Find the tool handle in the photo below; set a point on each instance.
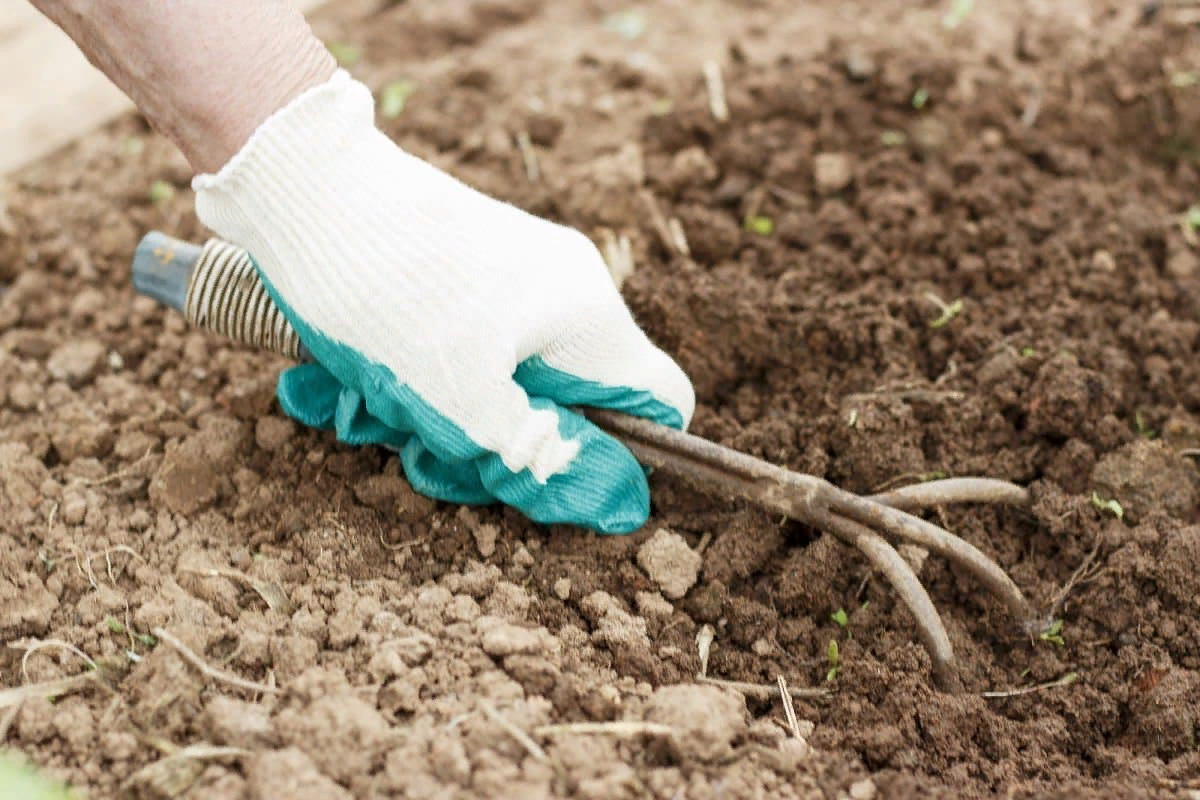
(216, 287)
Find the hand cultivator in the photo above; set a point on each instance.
(217, 287)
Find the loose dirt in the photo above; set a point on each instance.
(914, 251)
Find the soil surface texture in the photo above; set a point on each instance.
(924, 240)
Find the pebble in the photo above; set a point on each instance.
(670, 563)
(507, 640)
(707, 719)
(485, 534)
(860, 66)
(562, 589)
(863, 790)
(74, 508)
(290, 773)
(831, 172)
(76, 362)
(236, 723)
(22, 397)
(272, 433)
(392, 494)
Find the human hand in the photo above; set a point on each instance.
(447, 325)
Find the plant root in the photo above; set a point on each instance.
(862, 522)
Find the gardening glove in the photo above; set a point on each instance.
(449, 326)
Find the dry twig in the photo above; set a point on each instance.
(221, 677)
(788, 710)
(763, 689)
(516, 733)
(715, 83)
(624, 729)
(1065, 680)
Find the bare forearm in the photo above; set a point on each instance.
(206, 73)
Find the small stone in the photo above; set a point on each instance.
(653, 605)
(76, 362)
(74, 508)
(544, 128)
(507, 640)
(991, 138)
(272, 433)
(707, 719)
(860, 66)
(523, 558)
(133, 445)
(1103, 261)
(863, 790)
(290, 773)
(236, 723)
(462, 608)
(691, 166)
(23, 397)
(562, 589)
(485, 534)
(831, 172)
(344, 629)
(537, 675)
(139, 520)
(1182, 261)
(389, 494)
(88, 303)
(670, 563)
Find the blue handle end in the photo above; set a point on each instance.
(162, 268)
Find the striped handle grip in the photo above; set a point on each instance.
(216, 287)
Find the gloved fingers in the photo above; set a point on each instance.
(606, 361)
(603, 487)
(454, 483)
(549, 463)
(309, 394)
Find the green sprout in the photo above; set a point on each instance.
(920, 98)
(394, 96)
(841, 618)
(893, 138)
(949, 312)
(1053, 634)
(835, 662)
(958, 13)
(1111, 506)
(1192, 218)
(19, 779)
(1028, 352)
(345, 53)
(1185, 80)
(629, 24)
(115, 625)
(661, 107)
(146, 639)
(161, 192)
(763, 226)
(1143, 430)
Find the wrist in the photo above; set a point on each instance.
(204, 74)
(219, 117)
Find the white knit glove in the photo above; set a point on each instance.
(447, 325)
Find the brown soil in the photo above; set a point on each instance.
(407, 638)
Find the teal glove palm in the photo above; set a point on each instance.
(450, 327)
